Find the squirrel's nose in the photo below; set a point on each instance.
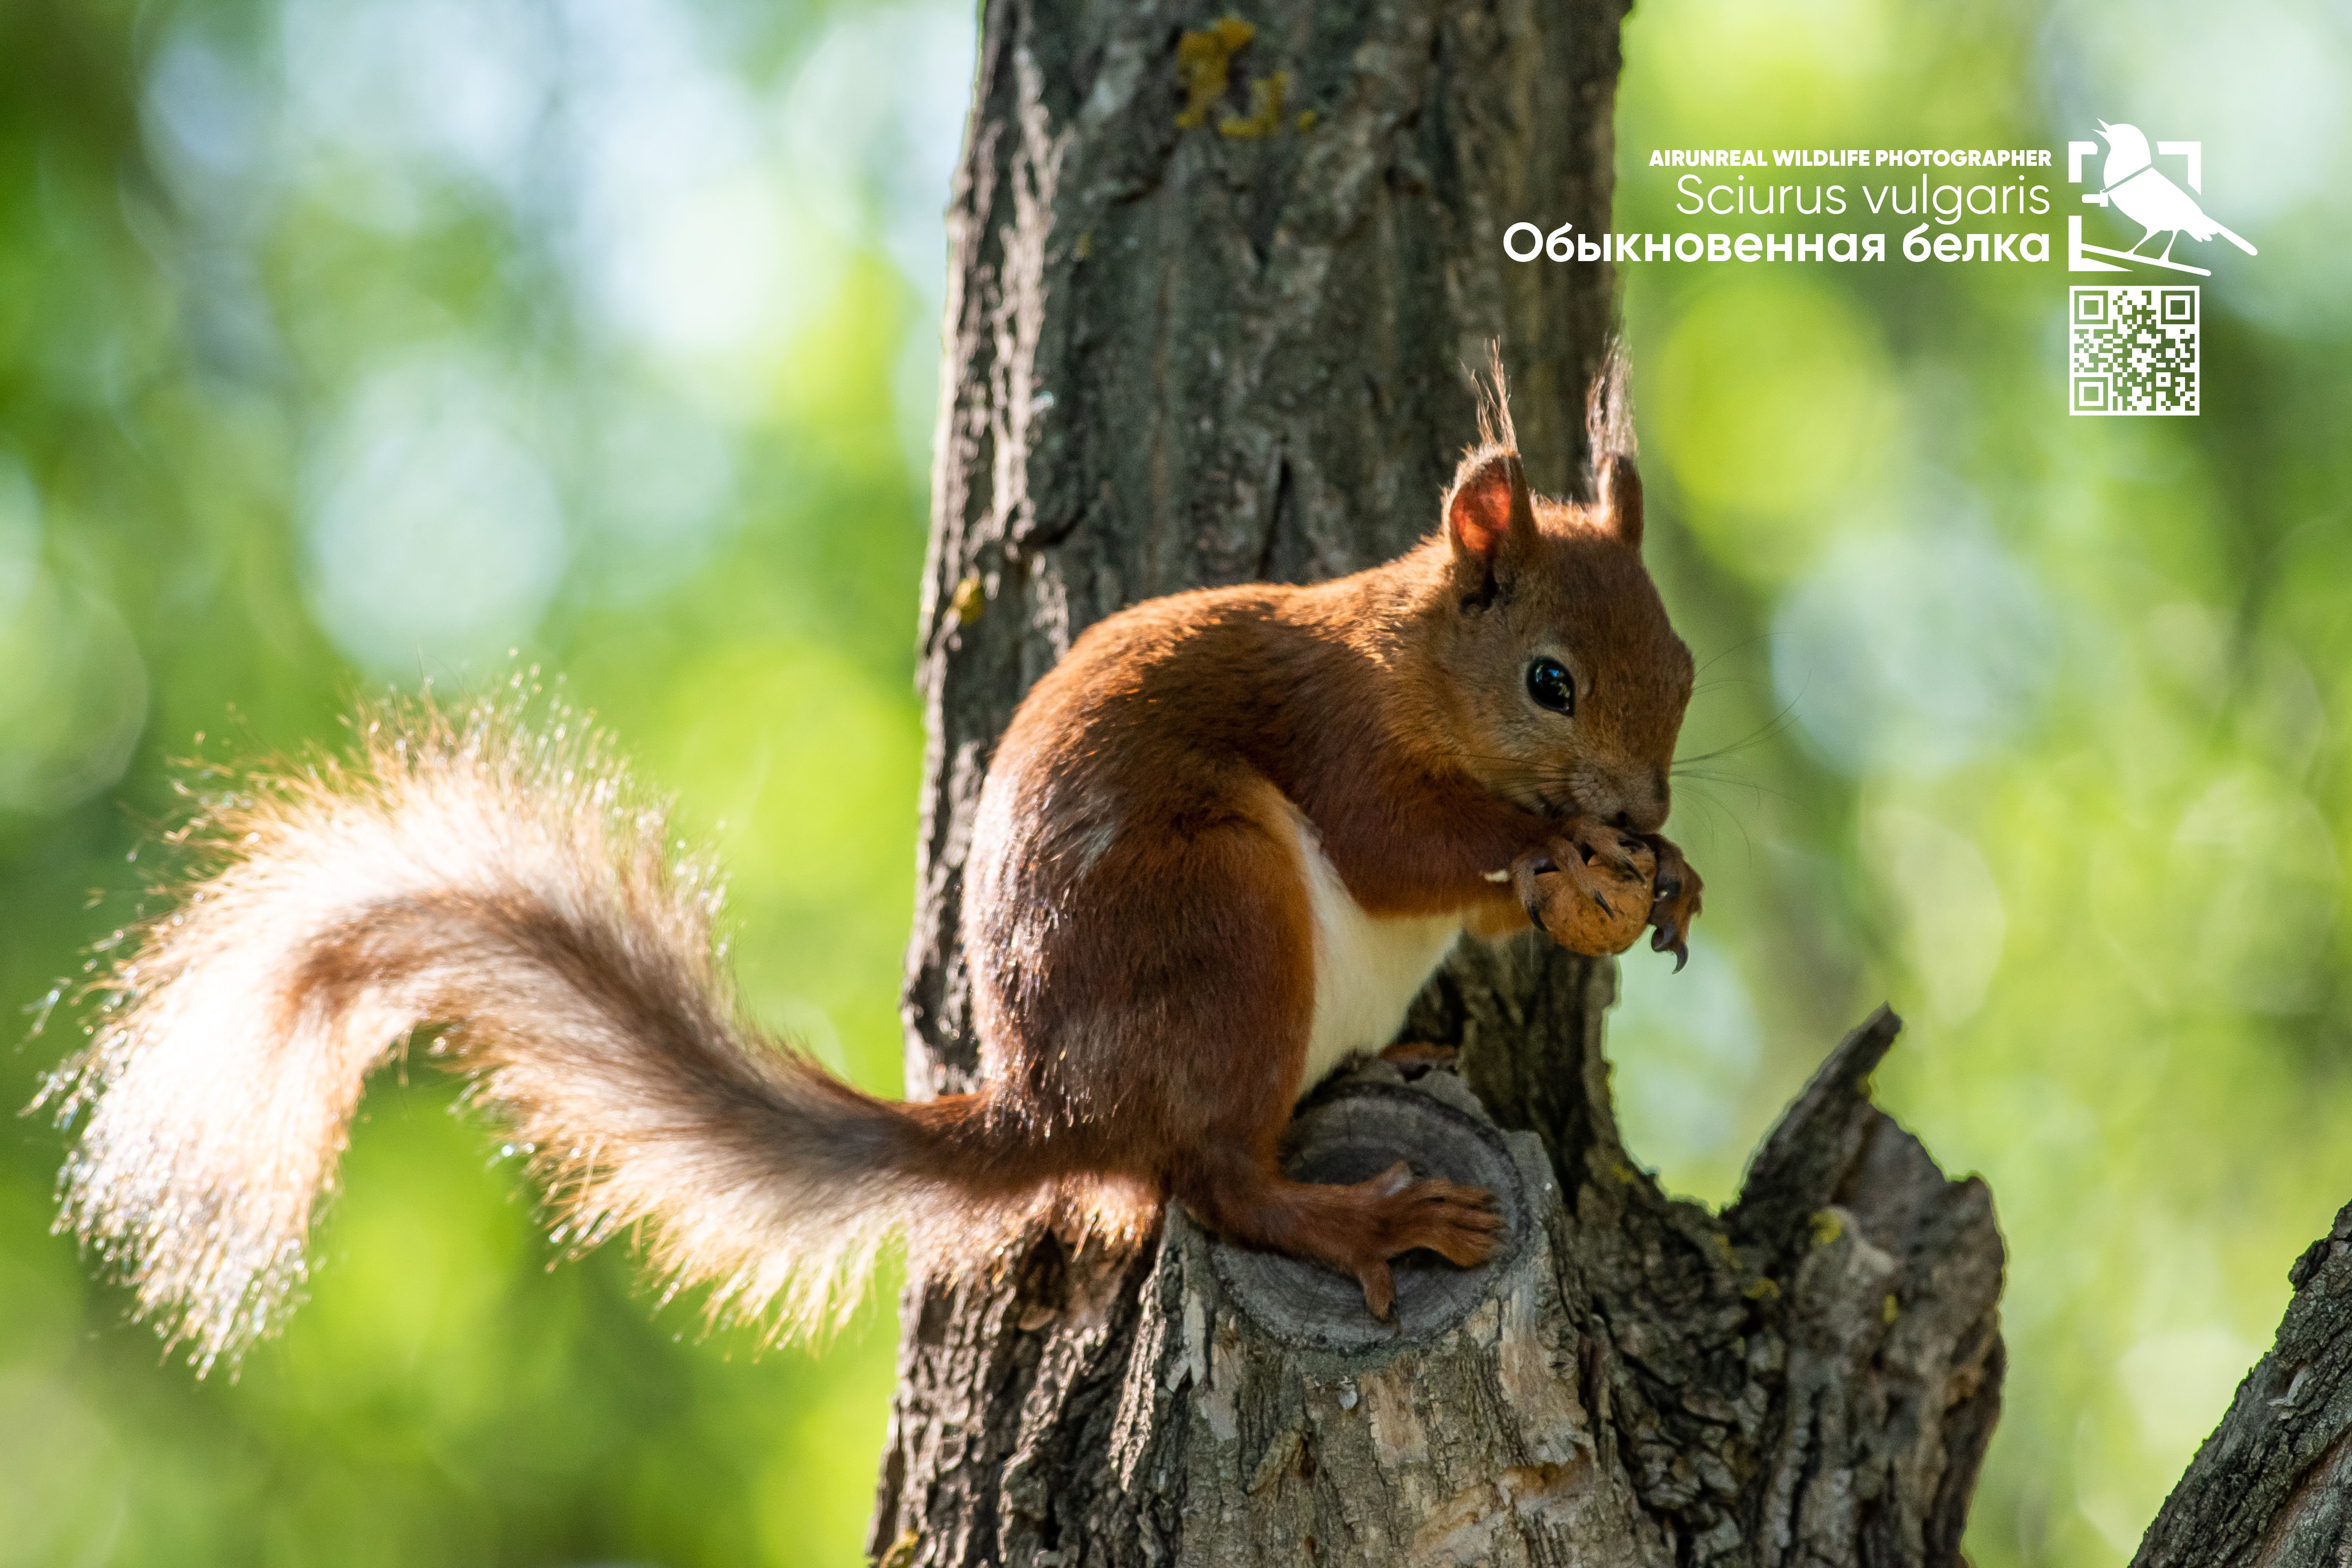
(1646, 802)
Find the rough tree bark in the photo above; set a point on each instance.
(1211, 297)
(2272, 1486)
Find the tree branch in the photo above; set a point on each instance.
(2272, 1485)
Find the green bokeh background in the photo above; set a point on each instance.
(346, 344)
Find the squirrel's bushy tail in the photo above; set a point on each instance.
(508, 882)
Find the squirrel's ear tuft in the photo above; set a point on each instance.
(1609, 433)
(1618, 508)
(1488, 516)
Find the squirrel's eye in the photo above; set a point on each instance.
(1550, 685)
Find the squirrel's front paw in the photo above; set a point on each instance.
(1589, 889)
(1675, 902)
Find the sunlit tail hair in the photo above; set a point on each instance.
(509, 882)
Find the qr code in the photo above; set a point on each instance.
(2132, 351)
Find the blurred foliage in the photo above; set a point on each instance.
(346, 345)
(2043, 716)
(347, 342)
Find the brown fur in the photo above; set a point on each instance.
(1138, 918)
(1138, 932)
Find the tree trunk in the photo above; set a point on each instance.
(2272, 1485)
(1195, 339)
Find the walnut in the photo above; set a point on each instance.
(1590, 889)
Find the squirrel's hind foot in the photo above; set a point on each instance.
(1460, 1223)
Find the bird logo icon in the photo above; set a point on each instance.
(2132, 185)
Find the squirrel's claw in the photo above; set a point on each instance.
(1596, 840)
(1585, 843)
(1524, 872)
(1568, 863)
(1588, 888)
(1675, 899)
(1461, 1225)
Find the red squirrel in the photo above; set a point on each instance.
(1221, 847)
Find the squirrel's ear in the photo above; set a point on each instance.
(1618, 508)
(1489, 517)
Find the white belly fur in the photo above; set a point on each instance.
(1367, 970)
